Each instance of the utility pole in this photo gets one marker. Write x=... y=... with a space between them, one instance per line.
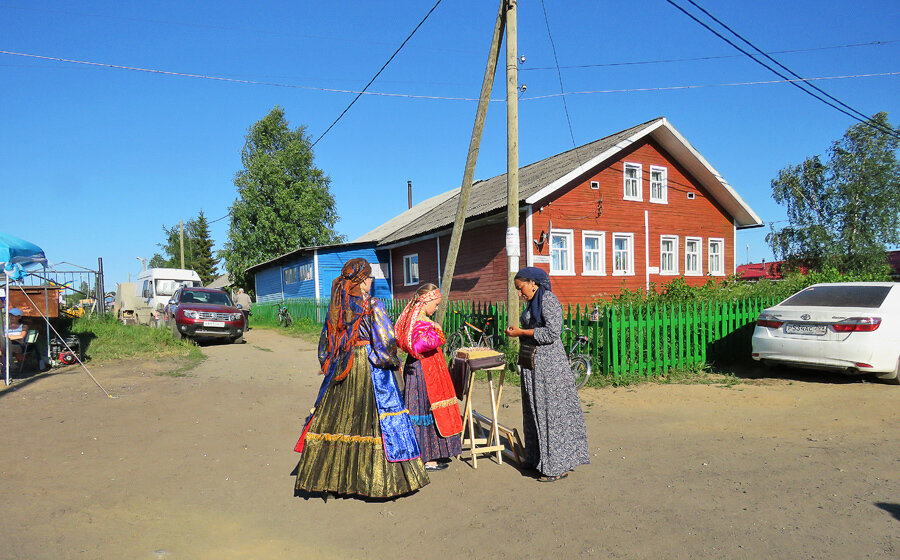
x=512 y=163
x=474 y=144
x=181 y=227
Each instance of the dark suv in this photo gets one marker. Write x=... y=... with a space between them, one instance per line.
x=204 y=312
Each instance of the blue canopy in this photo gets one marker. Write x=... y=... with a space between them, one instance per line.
x=15 y=250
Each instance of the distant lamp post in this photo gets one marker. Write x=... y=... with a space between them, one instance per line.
x=143 y=262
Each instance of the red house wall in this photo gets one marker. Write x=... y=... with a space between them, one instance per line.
x=480 y=273
x=581 y=208
x=481 y=266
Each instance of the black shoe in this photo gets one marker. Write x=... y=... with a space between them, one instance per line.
x=437 y=467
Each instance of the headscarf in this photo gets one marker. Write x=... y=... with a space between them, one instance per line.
x=408 y=318
x=535 y=305
x=346 y=312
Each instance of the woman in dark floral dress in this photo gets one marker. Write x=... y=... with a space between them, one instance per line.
x=553 y=422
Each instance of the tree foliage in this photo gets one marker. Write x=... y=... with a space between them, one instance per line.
x=284 y=202
x=198 y=253
x=843 y=213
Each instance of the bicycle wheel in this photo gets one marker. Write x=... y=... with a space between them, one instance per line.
x=580 y=364
x=453 y=343
x=288 y=320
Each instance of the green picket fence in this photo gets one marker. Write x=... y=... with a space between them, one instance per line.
x=647 y=339
x=624 y=341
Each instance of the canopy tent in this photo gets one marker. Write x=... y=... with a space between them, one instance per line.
x=17 y=256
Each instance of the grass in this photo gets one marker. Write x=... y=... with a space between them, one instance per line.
x=104 y=339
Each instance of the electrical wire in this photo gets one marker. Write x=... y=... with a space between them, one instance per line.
x=561 y=88
x=432 y=97
x=788 y=70
x=795 y=83
x=344 y=112
x=701 y=58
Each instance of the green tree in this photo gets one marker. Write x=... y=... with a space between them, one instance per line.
x=284 y=201
x=843 y=213
x=198 y=253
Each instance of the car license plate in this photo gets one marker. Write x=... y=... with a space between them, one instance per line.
x=213 y=323
x=815 y=330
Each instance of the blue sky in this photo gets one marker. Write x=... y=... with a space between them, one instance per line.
x=95 y=160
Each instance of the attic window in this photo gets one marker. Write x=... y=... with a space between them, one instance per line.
x=690 y=196
x=595 y=185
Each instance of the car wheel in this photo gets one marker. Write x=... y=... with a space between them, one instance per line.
x=238 y=340
x=896 y=379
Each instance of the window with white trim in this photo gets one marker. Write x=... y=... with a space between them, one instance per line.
x=632 y=177
x=623 y=254
x=562 y=254
x=593 y=251
x=716 y=257
x=668 y=254
x=411 y=269
x=692 y=256
x=659 y=184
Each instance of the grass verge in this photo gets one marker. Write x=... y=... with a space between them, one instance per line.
x=107 y=339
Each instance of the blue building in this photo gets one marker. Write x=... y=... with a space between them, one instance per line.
x=309 y=271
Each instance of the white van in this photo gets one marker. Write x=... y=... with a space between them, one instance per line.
x=152 y=291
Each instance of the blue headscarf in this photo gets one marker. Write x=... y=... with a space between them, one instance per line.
x=535 y=305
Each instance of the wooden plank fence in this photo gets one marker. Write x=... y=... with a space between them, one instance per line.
x=624 y=341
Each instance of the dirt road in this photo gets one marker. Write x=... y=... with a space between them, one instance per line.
x=198 y=467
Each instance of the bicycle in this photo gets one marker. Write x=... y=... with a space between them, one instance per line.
x=284 y=317
x=579 y=360
x=465 y=336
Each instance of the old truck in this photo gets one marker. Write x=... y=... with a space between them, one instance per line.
x=143 y=302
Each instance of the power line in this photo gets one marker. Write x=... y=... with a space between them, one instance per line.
x=344 y=112
x=701 y=58
x=427 y=97
x=699 y=86
x=785 y=68
x=559 y=75
x=776 y=72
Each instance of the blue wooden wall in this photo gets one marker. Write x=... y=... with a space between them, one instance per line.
x=296 y=278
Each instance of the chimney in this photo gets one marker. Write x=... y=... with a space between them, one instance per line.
x=409 y=192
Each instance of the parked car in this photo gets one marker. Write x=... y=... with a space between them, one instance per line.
x=851 y=327
x=204 y=312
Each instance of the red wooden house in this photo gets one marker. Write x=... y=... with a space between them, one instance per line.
x=636 y=207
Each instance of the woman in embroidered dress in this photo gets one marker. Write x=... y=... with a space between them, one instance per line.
x=359 y=439
x=553 y=422
x=428 y=388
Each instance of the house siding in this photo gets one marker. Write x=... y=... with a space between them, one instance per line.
x=269 y=280
x=580 y=208
x=481 y=267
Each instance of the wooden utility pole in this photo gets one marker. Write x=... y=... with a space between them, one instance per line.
x=474 y=144
x=512 y=163
x=181 y=227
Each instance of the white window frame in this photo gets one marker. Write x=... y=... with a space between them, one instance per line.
x=600 y=236
x=720 y=270
x=662 y=269
x=629 y=270
x=408 y=279
x=664 y=182
x=569 y=235
x=699 y=256
x=640 y=181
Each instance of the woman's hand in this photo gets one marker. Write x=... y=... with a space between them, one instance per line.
x=513 y=331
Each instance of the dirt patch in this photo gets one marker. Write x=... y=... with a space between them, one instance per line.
x=197 y=467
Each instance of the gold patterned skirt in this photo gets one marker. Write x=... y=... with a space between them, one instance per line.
x=343 y=452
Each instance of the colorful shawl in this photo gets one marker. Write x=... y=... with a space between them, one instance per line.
x=344 y=318
x=422 y=339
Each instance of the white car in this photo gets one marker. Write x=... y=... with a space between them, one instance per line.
x=852 y=327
